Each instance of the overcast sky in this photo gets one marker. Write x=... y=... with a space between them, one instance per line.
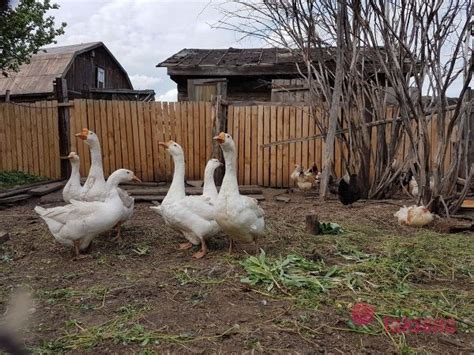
x=142 y=33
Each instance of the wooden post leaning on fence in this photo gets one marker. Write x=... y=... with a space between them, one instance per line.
x=219 y=124
x=60 y=86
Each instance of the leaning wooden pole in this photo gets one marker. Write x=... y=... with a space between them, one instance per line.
x=63 y=124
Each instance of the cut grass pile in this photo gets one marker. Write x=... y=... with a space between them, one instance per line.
x=424 y=275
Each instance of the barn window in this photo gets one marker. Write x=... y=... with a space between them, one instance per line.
x=100 y=83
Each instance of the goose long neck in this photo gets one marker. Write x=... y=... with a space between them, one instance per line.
x=75 y=175
x=176 y=190
x=96 y=161
x=230 y=184
x=209 y=188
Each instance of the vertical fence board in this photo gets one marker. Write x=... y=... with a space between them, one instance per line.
x=34 y=138
x=273 y=149
x=141 y=140
x=5 y=161
x=266 y=140
x=292 y=130
x=248 y=145
x=279 y=151
x=202 y=140
x=305 y=145
x=241 y=145
x=286 y=134
x=254 y=153
x=260 y=149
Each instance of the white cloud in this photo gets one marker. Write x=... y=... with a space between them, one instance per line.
x=169 y=96
x=142 y=33
x=141 y=81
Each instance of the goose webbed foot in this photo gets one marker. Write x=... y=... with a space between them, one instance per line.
x=77 y=251
x=118 y=237
x=200 y=254
x=185 y=246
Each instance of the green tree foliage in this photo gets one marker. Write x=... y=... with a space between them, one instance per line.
x=24 y=29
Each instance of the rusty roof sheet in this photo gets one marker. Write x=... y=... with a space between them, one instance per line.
x=45 y=66
x=239 y=56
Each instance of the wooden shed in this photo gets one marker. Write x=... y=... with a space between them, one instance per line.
x=259 y=74
x=90 y=70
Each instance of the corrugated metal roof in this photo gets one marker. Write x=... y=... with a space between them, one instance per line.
x=45 y=66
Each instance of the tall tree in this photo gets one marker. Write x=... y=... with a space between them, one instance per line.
x=24 y=29
x=408 y=51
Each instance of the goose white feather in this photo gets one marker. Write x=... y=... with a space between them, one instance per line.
x=239 y=216
x=192 y=216
x=94 y=188
x=73 y=188
x=77 y=223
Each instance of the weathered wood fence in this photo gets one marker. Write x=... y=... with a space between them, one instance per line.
x=130 y=131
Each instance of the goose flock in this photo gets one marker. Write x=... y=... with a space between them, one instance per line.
x=101 y=205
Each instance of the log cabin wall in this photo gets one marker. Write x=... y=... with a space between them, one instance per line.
x=82 y=74
x=239 y=88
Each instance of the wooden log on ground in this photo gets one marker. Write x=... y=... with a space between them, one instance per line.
x=47 y=188
x=142 y=184
x=160 y=198
x=4 y=237
x=312 y=224
x=244 y=190
x=15 y=198
x=195 y=183
x=283 y=199
x=24 y=188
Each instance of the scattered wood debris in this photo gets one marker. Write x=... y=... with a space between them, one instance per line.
x=283 y=199
x=312 y=224
x=4 y=237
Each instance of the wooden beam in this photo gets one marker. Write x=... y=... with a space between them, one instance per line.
x=63 y=124
x=219 y=124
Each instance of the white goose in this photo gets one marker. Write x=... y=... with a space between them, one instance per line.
x=76 y=224
x=238 y=216
x=209 y=189
x=73 y=188
x=192 y=216
x=94 y=187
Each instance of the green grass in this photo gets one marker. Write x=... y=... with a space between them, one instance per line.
x=10 y=179
x=422 y=275
x=124 y=328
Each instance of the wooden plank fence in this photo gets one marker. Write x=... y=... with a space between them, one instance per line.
x=29 y=138
x=129 y=132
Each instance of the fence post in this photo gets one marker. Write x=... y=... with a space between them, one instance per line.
x=470 y=152
x=7 y=96
x=63 y=124
x=219 y=124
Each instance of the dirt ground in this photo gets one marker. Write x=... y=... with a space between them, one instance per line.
x=148 y=297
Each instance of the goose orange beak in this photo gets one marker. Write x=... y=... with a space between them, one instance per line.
x=220 y=138
x=83 y=134
x=134 y=178
x=164 y=144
